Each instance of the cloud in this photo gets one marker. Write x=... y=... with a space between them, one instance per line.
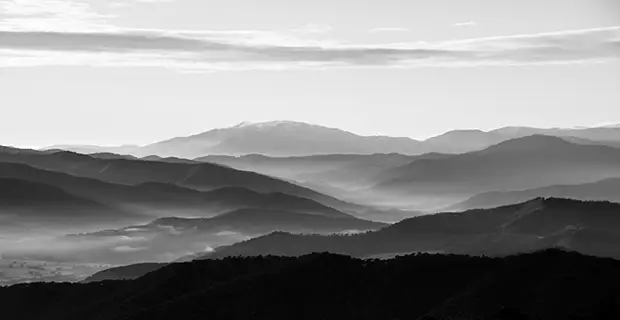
x=227 y=233
x=466 y=24
x=171 y=229
x=251 y=50
x=128 y=249
x=389 y=29
x=49 y=15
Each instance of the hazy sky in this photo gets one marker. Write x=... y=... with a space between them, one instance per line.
x=137 y=71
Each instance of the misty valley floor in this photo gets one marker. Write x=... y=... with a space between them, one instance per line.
x=14 y=271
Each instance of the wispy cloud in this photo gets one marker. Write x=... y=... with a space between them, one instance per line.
x=248 y=50
x=389 y=29
x=56 y=15
x=466 y=24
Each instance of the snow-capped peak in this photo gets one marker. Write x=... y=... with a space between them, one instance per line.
x=269 y=124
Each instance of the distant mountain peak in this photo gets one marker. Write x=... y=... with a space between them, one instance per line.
x=272 y=124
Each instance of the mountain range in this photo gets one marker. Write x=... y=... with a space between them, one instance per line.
x=172 y=208
x=319 y=189
x=524 y=163
x=435 y=180
x=290 y=138
x=197 y=176
x=587 y=227
x=604 y=190
x=24 y=201
x=171 y=238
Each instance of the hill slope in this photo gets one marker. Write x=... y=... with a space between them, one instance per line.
x=162 y=199
x=168 y=239
x=530 y=162
x=23 y=201
x=279 y=138
x=199 y=176
x=604 y=190
x=543 y=285
x=588 y=227
x=130 y=272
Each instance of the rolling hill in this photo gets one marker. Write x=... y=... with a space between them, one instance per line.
x=129 y=272
x=340 y=171
x=23 y=201
x=162 y=199
x=550 y=284
x=604 y=190
x=587 y=227
x=524 y=163
x=249 y=222
x=168 y=239
x=198 y=176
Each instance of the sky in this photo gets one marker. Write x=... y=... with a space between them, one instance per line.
x=113 y=72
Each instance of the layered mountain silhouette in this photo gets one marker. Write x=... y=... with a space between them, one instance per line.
x=333 y=172
x=23 y=201
x=290 y=138
x=279 y=138
x=198 y=176
x=524 y=163
x=587 y=227
x=290 y=188
x=170 y=238
x=246 y=222
x=604 y=190
x=550 y=284
x=152 y=198
x=599 y=133
x=130 y=272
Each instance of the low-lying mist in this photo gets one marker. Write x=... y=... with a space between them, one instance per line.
x=39 y=253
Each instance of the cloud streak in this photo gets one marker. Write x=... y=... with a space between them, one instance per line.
x=465 y=24
x=246 y=50
x=49 y=15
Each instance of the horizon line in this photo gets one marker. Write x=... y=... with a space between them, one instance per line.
x=249 y=123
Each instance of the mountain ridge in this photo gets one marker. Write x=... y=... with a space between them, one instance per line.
x=587 y=227
x=524 y=163
x=283 y=138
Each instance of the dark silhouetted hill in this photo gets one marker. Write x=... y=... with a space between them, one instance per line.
x=550 y=284
x=129 y=272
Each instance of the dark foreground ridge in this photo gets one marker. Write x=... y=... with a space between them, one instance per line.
x=550 y=284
